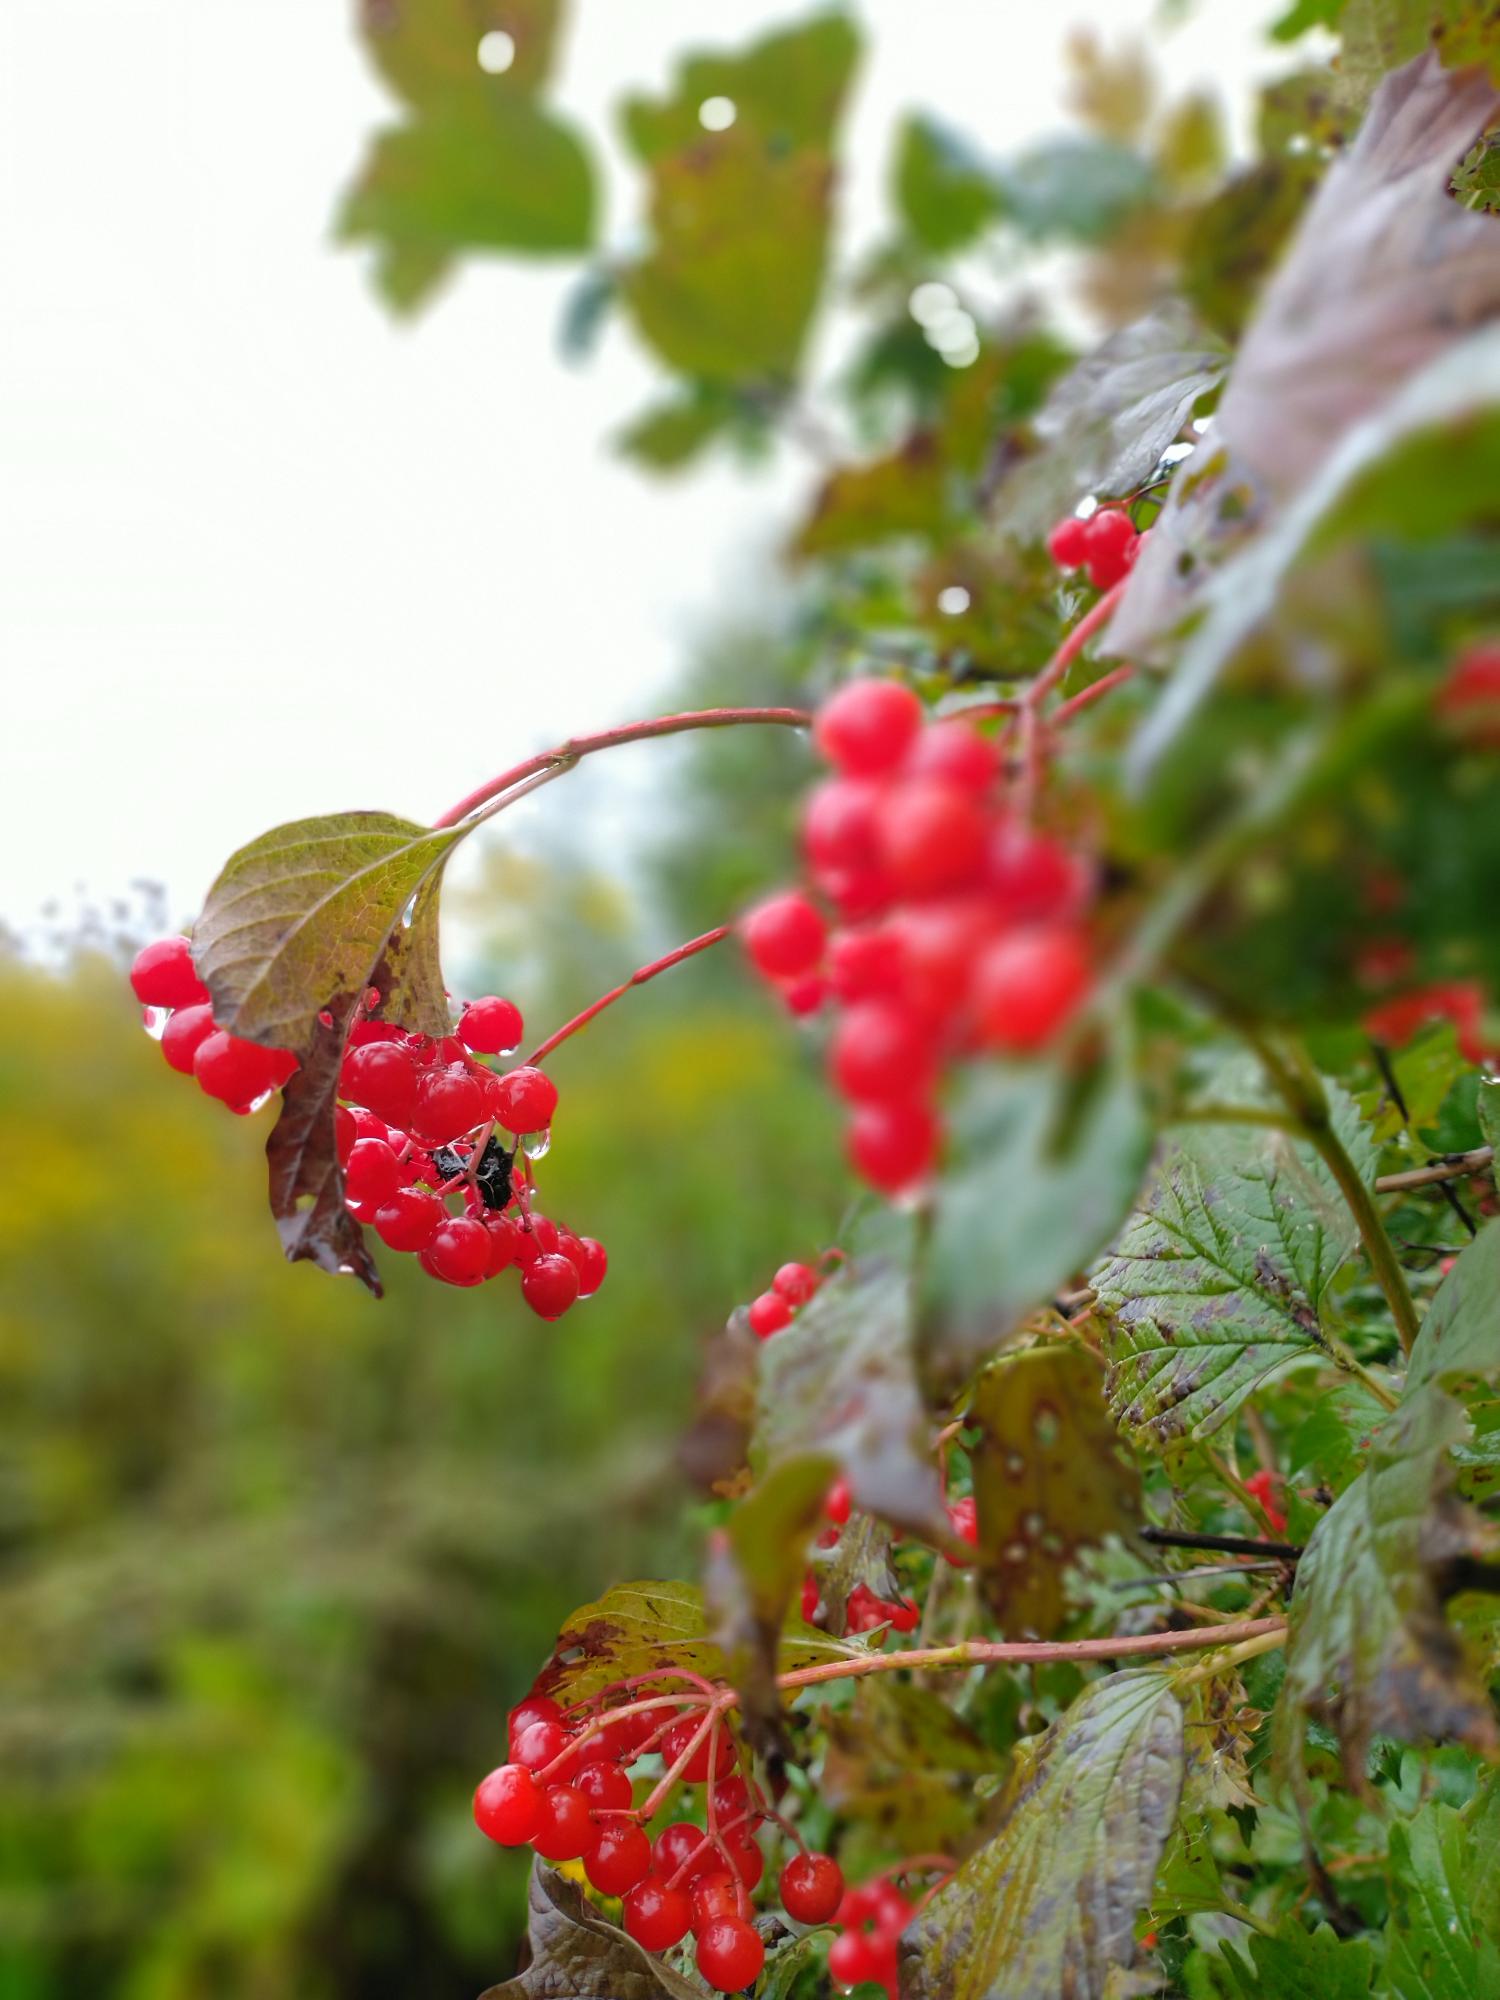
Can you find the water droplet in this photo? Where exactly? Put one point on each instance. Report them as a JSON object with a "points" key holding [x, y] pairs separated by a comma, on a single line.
{"points": [[953, 600], [497, 51], [717, 114], [932, 302], [537, 1145]]}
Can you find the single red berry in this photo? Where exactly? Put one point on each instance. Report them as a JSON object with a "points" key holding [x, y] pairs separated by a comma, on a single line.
{"points": [[372, 1173], [893, 1146], [841, 826], [525, 1099], [811, 1596], [768, 1314], [796, 1283], [619, 1858], [606, 1787], [491, 1026], [932, 837], [732, 1802], [1027, 987], [1068, 542], [507, 1805], [549, 1285], [939, 942], [954, 752], [891, 1911], [162, 975], [564, 1829], [505, 1234], [1106, 538], [730, 1954], [904, 1615], [839, 1504], [858, 1906], [715, 1894], [1031, 878], [535, 1708], [864, 964], [784, 935], [852, 1959], [185, 1033], [409, 1220], [450, 1102], [236, 1071], [591, 1264], [461, 1250], [963, 1517], [867, 727], [539, 1744], [880, 1053], [695, 1771], [657, 1917], [382, 1076], [682, 1851], [805, 996], [812, 1887], [745, 1857]]}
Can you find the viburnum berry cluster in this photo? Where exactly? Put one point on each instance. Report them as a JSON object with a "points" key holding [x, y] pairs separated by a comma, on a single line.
{"points": [[415, 1133], [940, 923], [568, 1793], [1104, 544], [791, 1288], [870, 1920]]}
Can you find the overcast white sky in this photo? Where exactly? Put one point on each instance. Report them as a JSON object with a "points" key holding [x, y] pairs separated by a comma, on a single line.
{"points": [[263, 552]]}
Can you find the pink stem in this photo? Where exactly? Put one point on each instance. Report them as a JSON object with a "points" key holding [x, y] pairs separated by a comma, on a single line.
{"points": [[1086, 699], [552, 763], [638, 978], [1072, 646]]}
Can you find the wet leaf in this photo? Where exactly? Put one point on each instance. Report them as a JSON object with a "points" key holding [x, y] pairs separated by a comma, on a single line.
{"points": [[1049, 1905], [574, 1954], [1050, 1480], [740, 218], [1217, 1282], [1108, 420], [1436, 1948], [1296, 1963], [903, 1765], [479, 164], [1044, 1166]]}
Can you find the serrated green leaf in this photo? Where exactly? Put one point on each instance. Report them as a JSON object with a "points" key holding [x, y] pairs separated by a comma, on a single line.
{"points": [[1044, 1165], [1048, 1906], [1297, 1963], [1482, 1822], [1050, 1480], [576, 1955], [1435, 1947], [740, 218], [1217, 1282], [1458, 1337]]}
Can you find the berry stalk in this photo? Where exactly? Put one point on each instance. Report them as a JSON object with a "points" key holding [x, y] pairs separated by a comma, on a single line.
{"points": [[637, 978]]}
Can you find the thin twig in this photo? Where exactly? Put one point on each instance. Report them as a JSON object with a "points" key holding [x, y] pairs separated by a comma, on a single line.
{"points": [[1449, 1167], [637, 978]]}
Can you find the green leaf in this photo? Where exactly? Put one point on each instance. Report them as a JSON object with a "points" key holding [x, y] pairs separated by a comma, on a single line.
{"points": [[1435, 1946], [903, 1765], [1217, 1283], [861, 506], [1476, 178], [479, 165], [1078, 189], [740, 218], [1458, 1335], [1050, 1480], [1482, 1820], [576, 1955], [1108, 420], [1297, 1963], [1487, 1108], [945, 191], [1379, 35], [1044, 1167], [1049, 1905], [673, 433]]}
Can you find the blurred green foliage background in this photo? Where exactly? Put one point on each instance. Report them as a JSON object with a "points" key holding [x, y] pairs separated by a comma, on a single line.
{"points": [[277, 1558]]}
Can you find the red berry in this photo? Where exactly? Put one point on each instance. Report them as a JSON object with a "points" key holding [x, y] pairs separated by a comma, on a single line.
{"points": [[372, 1173], [695, 1771], [784, 935], [409, 1220], [864, 965], [383, 1077], [505, 1234], [932, 837], [1107, 536], [805, 996], [1033, 879], [507, 1805], [460, 1251], [657, 1917], [184, 1034], [963, 1517], [841, 826], [732, 1801], [904, 1615], [684, 1851], [564, 1829], [450, 1102], [549, 1285], [812, 1887], [491, 1026], [796, 1283], [1068, 542], [525, 1099], [1028, 986], [811, 1596], [939, 943], [745, 1856], [236, 1071], [880, 1053], [768, 1314], [714, 1895], [535, 1708], [839, 1504], [606, 1787], [619, 1859], [893, 1146], [591, 1264], [162, 975], [852, 1959], [867, 727], [730, 1954], [539, 1744]]}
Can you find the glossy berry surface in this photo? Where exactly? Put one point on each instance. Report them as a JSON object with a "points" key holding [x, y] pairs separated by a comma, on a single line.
{"points": [[162, 975], [867, 727], [657, 1917], [181, 1038], [730, 1954], [549, 1285], [507, 1805], [525, 1099], [1067, 544], [491, 1026], [768, 1314], [812, 1887], [619, 1858], [565, 1829], [784, 935], [1028, 987]]}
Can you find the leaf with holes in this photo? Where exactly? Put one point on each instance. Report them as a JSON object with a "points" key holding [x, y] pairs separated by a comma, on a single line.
{"points": [[1050, 1479], [1216, 1284], [574, 1954], [1049, 1905]]}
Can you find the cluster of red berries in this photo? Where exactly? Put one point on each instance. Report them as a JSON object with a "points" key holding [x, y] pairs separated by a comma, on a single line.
{"points": [[1469, 699], [956, 928], [1461, 1001], [416, 1129], [869, 1920], [1265, 1488], [240, 1074], [864, 1611], [567, 1792], [790, 1290], [1105, 544]]}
